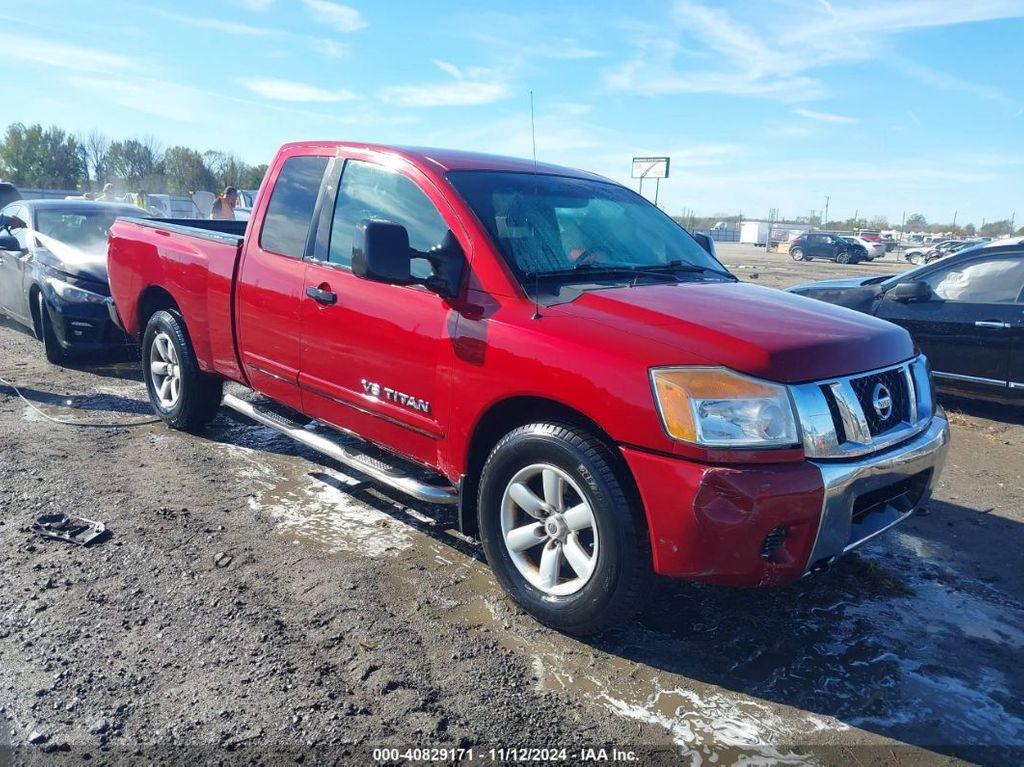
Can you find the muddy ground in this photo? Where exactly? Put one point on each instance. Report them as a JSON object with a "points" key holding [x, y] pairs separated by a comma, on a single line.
{"points": [[346, 618]]}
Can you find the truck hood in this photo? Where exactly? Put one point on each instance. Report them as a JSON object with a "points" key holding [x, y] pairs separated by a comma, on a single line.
{"points": [[760, 331]]}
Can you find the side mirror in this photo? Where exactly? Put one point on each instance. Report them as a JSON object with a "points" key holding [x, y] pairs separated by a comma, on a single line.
{"points": [[448, 262], [907, 292], [705, 241], [7, 242], [380, 252]]}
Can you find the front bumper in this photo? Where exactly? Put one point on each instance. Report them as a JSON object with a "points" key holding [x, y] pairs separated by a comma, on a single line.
{"points": [[866, 497], [84, 327], [772, 524]]}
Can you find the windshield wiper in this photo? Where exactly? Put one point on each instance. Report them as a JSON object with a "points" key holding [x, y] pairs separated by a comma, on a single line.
{"points": [[667, 271], [592, 270], [680, 266]]}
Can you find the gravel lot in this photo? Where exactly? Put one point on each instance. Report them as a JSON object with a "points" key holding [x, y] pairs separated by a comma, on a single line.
{"points": [[346, 618]]}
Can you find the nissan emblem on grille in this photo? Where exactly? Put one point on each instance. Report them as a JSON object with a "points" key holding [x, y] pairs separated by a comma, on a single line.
{"points": [[882, 401]]}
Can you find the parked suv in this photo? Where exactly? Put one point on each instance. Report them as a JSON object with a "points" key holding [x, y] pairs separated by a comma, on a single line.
{"points": [[811, 245]]}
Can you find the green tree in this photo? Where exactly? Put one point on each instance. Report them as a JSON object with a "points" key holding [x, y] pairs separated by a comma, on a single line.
{"points": [[185, 171], [36, 157], [916, 223], [970, 230], [996, 228], [880, 222], [253, 175]]}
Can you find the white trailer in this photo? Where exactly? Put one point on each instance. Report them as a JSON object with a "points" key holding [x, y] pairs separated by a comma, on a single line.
{"points": [[754, 232]]}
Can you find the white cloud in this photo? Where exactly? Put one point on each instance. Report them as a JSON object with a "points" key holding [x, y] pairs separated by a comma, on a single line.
{"points": [[342, 17], [462, 93], [257, 5], [942, 81], [827, 117], [773, 54], [288, 90], [472, 87], [235, 28], [328, 47], [51, 53]]}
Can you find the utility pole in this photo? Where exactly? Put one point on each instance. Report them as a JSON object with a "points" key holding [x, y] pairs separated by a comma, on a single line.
{"points": [[824, 224], [1013, 220], [903, 222], [954, 222]]}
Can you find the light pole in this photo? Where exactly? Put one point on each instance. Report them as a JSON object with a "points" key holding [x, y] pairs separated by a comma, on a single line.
{"points": [[824, 224]]}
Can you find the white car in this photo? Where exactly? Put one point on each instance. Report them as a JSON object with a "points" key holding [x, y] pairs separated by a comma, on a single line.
{"points": [[875, 248]]}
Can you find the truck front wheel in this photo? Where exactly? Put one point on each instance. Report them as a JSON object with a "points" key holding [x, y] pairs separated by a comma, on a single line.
{"points": [[181, 394], [558, 530]]}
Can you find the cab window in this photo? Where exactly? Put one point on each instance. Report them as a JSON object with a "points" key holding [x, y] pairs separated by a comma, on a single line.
{"points": [[371, 192], [292, 202]]}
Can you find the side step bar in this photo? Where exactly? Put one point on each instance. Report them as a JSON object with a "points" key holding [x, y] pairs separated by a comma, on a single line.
{"points": [[368, 465]]}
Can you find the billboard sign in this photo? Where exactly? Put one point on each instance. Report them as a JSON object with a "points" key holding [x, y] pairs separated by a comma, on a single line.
{"points": [[650, 167]]}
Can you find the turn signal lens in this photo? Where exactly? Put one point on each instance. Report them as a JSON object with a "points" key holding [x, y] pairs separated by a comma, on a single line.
{"points": [[716, 407]]}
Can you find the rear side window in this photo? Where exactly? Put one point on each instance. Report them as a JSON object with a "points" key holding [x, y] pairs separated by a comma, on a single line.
{"points": [[291, 206], [371, 192]]}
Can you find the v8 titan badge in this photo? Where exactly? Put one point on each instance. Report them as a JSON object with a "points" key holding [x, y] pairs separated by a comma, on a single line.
{"points": [[374, 389]]}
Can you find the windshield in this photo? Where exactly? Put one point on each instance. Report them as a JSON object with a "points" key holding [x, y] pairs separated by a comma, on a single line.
{"points": [[561, 226], [85, 230]]}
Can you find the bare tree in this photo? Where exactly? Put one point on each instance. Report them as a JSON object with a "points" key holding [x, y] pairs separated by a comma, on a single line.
{"points": [[96, 147]]}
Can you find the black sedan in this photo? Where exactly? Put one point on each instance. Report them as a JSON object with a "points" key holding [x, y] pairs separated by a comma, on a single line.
{"points": [[53, 275], [966, 312]]}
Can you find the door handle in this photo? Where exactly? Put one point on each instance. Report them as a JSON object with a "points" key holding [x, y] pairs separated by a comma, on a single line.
{"points": [[325, 297], [991, 324]]}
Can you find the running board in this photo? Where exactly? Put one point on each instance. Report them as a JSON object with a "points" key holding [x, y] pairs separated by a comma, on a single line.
{"points": [[372, 467]]}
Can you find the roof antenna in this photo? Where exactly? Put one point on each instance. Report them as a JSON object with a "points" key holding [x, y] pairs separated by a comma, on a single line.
{"points": [[533, 133], [536, 275]]}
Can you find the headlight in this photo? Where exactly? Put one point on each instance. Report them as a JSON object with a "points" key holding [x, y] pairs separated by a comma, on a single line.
{"points": [[716, 407], [69, 292]]}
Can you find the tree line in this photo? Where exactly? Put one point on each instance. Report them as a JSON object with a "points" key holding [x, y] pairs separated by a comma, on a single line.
{"points": [[51, 158]]}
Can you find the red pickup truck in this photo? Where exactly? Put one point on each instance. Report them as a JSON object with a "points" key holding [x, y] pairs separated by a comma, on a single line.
{"points": [[544, 348]]}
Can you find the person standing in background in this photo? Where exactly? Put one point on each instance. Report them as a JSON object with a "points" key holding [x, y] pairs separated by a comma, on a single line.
{"points": [[108, 194], [224, 205]]}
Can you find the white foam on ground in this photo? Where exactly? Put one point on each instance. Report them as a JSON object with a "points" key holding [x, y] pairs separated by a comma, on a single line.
{"points": [[708, 722], [311, 509]]}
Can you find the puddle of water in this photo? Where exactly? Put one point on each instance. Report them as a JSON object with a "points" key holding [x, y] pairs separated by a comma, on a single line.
{"points": [[311, 504], [707, 724]]}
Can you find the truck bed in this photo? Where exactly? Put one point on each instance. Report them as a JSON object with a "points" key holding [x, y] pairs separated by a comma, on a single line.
{"points": [[194, 262]]}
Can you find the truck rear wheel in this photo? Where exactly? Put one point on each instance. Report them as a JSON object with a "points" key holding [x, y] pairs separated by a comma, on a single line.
{"points": [[181, 394], [558, 530]]}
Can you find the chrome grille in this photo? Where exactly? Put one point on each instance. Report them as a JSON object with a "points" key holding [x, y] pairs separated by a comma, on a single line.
{"points": [[895, 383], [838, 418]]}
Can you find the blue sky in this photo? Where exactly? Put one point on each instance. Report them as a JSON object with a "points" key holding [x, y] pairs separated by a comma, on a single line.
{"points": [[892, 106]]}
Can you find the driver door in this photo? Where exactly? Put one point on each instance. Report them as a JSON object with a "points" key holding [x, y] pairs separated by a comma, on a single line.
{"points": [[966, 329], [13, 264], [373, 356]]}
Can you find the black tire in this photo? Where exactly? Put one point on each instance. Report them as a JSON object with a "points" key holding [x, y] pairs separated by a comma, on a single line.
{"points": [[199, 395], [55, 353], [843, 258], [797, 254], [619, 579]]}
